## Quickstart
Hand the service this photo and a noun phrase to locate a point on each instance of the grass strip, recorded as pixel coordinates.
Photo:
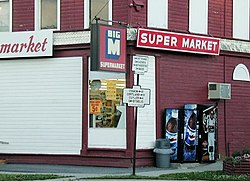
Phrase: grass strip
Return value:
(21, 177)
(208, 175)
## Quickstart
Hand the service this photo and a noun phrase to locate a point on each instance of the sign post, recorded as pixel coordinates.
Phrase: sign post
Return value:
(137, 97)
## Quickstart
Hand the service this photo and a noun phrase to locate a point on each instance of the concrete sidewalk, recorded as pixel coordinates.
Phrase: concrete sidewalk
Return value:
(80, 172)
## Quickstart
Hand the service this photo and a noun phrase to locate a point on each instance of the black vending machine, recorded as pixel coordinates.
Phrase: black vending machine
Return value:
(192, 132)
(208, 133)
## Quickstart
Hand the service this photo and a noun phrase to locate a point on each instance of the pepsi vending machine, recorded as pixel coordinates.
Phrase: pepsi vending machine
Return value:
(172, 133)
(192, 133)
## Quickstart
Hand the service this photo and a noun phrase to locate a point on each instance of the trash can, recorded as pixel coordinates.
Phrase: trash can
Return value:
(162, 151)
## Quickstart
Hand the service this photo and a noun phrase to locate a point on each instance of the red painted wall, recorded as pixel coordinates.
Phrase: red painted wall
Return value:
(220, 18)
(216, 18)
(138, 16)
(121, 11)
(72, 17)
(182, 78)
(229, 18)
(237, 109)
(23, 15)
(178, 15)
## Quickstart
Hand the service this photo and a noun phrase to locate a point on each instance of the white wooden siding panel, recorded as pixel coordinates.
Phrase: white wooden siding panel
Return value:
(107, 138)
(146, 126)
(40, 106)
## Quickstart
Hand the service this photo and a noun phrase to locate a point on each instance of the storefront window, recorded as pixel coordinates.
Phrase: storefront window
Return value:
(4, 15)
(105, 103)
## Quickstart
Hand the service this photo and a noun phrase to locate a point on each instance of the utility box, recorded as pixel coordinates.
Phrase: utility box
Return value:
(219, 90)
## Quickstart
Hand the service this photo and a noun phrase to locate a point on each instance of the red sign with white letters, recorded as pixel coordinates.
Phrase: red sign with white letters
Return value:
(147, 38)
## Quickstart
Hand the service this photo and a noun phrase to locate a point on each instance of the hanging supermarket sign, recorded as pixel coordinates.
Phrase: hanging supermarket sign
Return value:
(26, 44)
(163, 40)
(108, 48)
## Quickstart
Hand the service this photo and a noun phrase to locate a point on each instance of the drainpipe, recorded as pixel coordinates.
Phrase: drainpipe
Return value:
(224, 72)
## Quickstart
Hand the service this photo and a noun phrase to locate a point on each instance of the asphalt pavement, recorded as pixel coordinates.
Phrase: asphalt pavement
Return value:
(83, 172)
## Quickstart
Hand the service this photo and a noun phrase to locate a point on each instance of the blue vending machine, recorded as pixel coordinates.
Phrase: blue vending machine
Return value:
(190, 133)
(172, 132)
(200, 132)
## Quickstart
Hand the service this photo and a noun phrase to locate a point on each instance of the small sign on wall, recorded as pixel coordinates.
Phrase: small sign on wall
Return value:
(140, 64)
(136, 97)
(108, 48)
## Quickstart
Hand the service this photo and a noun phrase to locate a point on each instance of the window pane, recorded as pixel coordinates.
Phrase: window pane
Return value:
(158, 11)
(100, 9)
(48, 14)
(106, 103)
(4, 15)
(241, 19)
(198, 20)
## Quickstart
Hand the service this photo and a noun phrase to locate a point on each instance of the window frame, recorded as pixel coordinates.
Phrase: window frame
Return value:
(196, 27)
(10, 16)
(38, 15)
(87, 8)
(240, 25)
(165, 16)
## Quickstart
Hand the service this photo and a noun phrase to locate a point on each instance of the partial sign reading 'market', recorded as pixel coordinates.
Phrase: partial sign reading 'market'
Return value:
(26, 44)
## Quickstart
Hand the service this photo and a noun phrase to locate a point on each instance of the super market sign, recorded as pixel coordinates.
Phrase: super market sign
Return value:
(154, 39)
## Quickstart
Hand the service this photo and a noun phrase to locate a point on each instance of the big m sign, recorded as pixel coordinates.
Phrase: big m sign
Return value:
(108, 48)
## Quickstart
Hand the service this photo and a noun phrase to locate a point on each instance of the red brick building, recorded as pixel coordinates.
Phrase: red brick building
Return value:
(48, 107)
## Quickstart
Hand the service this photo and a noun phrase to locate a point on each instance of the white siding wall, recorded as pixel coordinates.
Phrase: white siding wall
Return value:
(158, 13)
(198, 16)
(41, 106)
(241, 19)
(146, 125)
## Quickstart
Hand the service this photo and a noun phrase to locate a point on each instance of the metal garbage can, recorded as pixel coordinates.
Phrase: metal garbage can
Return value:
(162, 151)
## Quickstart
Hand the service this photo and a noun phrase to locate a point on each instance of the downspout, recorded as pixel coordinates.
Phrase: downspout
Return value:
(224, 72)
